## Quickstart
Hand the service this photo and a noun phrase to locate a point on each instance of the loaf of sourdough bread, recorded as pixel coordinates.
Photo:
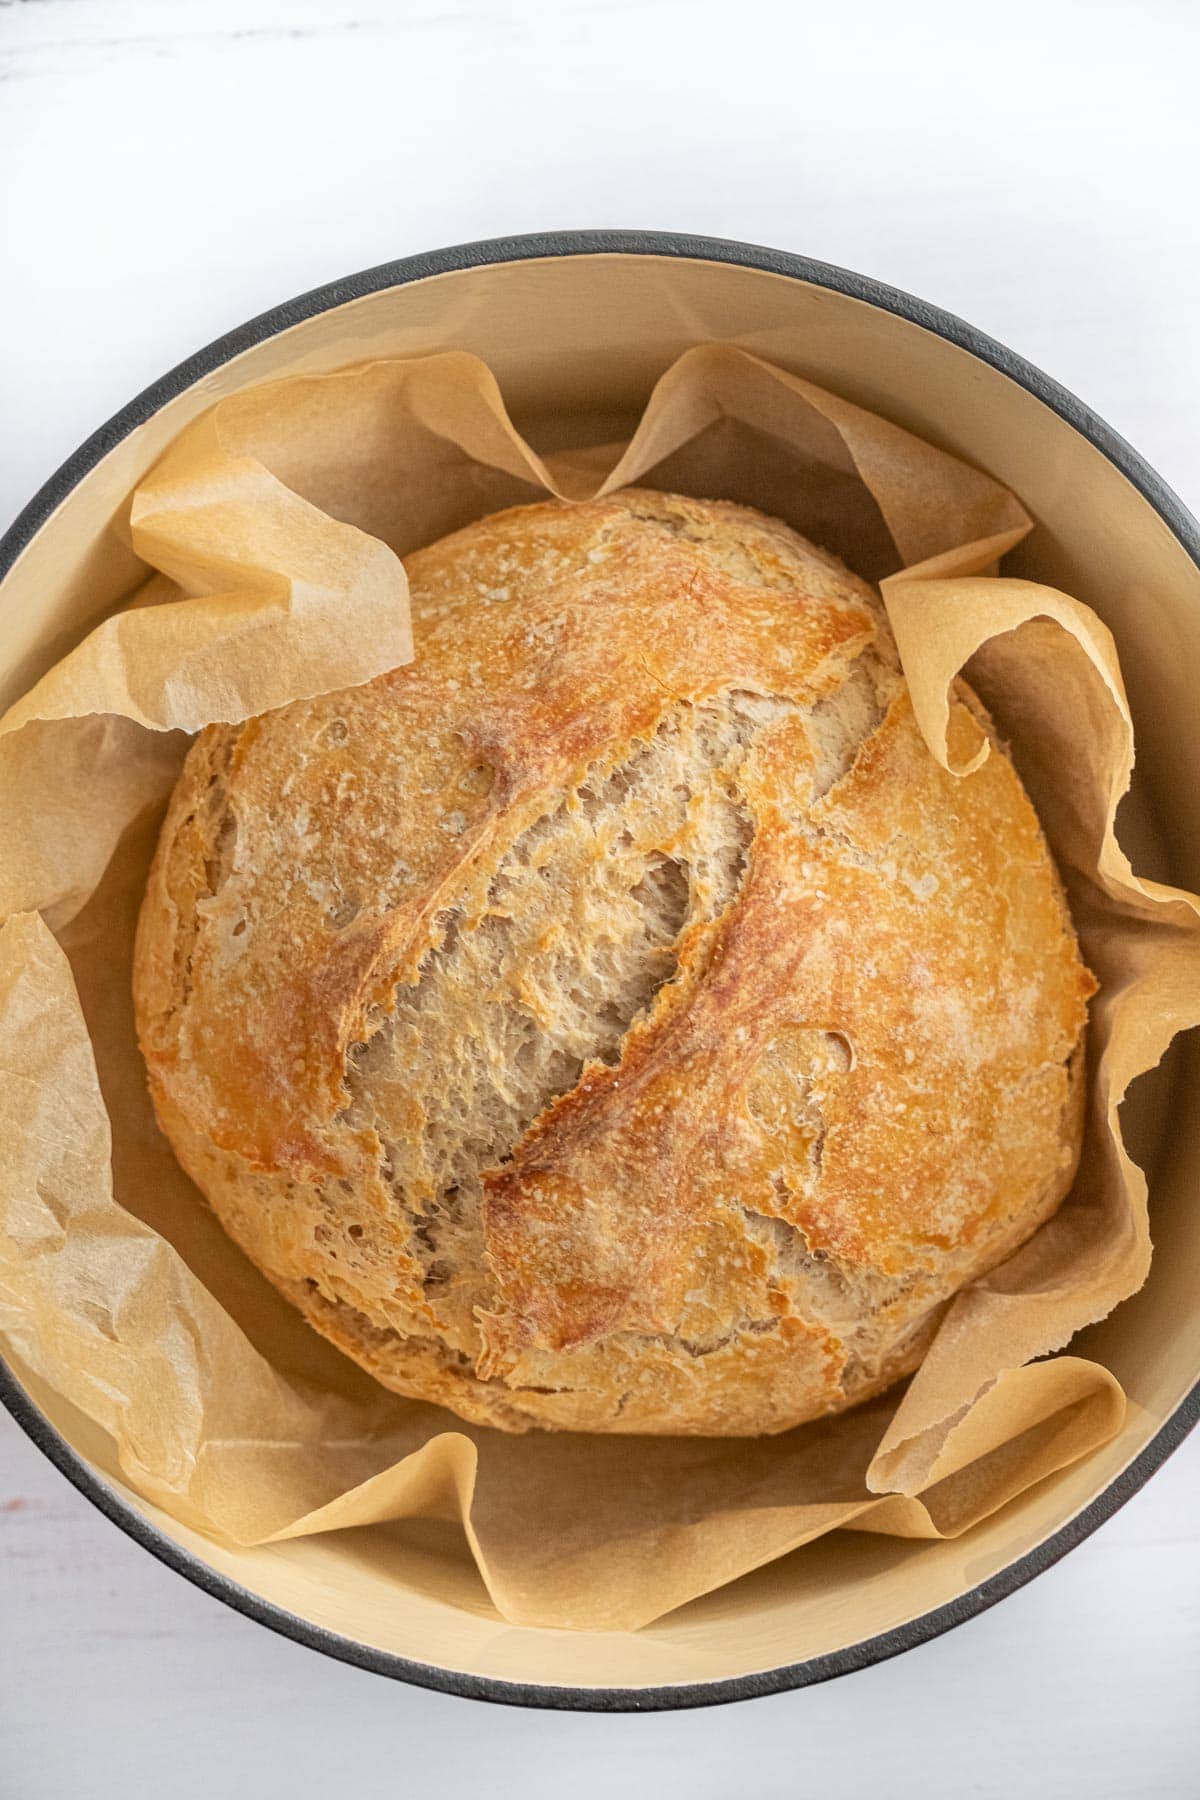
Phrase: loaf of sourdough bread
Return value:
(617, 1020)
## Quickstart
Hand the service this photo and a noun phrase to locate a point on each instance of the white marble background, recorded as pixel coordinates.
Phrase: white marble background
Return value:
(170, 167)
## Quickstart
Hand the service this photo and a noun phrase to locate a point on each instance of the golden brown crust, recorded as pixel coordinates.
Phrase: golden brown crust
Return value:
(617, 1020)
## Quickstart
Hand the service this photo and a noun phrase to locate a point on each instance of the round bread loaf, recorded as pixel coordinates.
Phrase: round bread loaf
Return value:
(617, 1020)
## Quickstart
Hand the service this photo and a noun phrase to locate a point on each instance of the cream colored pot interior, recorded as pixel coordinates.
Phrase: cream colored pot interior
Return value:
(576, 343)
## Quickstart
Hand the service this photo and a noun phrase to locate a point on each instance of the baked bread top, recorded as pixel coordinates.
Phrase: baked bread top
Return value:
(616, 1019)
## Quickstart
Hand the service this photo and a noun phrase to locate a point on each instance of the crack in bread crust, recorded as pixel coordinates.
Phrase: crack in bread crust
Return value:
(581, 932)
(616, 1020)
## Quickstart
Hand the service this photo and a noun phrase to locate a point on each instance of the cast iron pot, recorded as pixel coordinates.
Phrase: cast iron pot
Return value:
(612, 310)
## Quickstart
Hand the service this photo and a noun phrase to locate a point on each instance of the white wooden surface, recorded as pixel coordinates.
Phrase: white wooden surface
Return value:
(167, 170)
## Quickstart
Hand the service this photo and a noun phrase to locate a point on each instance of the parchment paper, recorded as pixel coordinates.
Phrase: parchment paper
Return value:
(275, 525)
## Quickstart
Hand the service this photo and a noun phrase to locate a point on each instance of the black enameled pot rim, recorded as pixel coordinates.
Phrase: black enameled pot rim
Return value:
(383, 1662)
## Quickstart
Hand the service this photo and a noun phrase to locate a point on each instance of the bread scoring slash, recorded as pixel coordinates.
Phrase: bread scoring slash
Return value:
(617, 1020)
